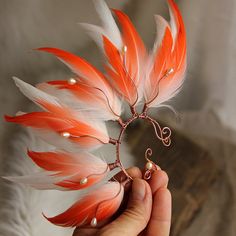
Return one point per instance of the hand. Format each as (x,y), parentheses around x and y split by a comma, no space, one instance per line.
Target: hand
(148,212)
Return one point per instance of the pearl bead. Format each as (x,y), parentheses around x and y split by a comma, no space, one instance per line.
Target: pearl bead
(124,49)
(94,222)
(72,81)
(170,71)
(84,181)
(149,166)
(65,134)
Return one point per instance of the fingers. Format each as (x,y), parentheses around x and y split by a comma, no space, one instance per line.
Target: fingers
(84,232)
(160,221)
(159,180)
(136,217)
(134,172)
(137,214)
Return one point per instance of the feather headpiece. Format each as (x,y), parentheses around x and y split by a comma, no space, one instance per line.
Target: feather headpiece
(74,111)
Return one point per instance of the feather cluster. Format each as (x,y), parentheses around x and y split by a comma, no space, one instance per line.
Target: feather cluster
(74,111)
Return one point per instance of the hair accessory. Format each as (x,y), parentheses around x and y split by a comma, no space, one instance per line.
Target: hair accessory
(74,111)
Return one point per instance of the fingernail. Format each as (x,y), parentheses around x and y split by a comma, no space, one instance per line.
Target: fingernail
(138,189)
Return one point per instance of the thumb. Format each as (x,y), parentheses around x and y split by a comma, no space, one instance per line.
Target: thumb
(135,218)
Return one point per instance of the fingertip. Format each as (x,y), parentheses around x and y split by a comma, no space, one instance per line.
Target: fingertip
(159,180)
(141,194)
(134,172)
(165,178)
(163,194)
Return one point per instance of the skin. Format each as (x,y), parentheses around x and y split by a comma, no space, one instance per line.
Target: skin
(147,212)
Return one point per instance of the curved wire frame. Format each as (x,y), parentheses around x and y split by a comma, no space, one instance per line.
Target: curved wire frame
(162,133)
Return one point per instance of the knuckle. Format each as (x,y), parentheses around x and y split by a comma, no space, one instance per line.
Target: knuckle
(109,230)
(137,214)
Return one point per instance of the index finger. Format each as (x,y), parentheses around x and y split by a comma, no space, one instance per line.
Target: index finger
(134,172)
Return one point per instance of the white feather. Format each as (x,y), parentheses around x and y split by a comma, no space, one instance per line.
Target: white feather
(98,112)
(161,25)
(109,27)
(61,142)
(37,180)
(95,32)
(173,25)
(82,164)
(21,206)
(35,94)
(174,87)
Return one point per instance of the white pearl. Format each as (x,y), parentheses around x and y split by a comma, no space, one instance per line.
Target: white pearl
(94,222)
(84,181)
(170,71)
(125,49)
(149,166)
(65,134)
(72,81)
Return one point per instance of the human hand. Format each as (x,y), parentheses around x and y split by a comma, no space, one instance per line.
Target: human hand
(148,211)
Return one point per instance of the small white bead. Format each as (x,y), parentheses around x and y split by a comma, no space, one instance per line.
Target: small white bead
(83,181)
(72,81)
(124,49)
(94,222)
(170,71)
(149,166)
(65,135)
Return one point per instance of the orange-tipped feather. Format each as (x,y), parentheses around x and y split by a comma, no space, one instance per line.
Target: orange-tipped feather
(168,67)
(136,54)
(99,204)
(88,74)
(81,67)
(90,98)
(120,79)
(71,171)
(77,130)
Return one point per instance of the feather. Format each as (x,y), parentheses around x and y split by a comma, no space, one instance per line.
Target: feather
(88,74)
(134,59)
(69,127)
(64,171)
(119,77)
(98,205)
(135,54)
(161,26)
(42,99)
(109,27)
(81,97)
(60,119)
(159,67)
(36,180)
(37,96)
(166,74)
